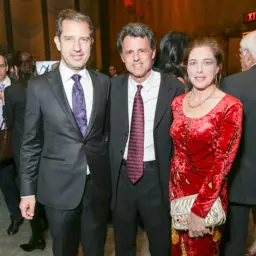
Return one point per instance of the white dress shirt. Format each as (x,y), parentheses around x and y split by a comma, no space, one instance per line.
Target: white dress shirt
(149,95)
(5,83)
(86,82)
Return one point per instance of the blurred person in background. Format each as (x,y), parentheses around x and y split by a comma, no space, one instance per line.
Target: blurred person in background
(13,71)
(26,65)
(171,52)
(22,69)
(242,189)
(8,174)
(112,71)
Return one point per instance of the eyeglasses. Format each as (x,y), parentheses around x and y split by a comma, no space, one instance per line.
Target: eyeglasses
(2,66)
(243,51)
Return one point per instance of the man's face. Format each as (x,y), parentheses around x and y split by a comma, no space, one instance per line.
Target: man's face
(246,59)
(74,44)
(138,57)
(14,72)
(243,59)
(112,70)
(3,69)
(27,64)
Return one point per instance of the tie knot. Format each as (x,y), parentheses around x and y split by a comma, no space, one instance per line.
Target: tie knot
(139,87)
(76,77)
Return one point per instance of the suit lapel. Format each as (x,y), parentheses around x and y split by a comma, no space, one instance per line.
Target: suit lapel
(163,100)
(123,103)
(56,85)
(96,101)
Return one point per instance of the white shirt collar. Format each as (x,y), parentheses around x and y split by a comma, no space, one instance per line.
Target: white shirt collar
(67,73)
(252,65)
(6,82)
(148,83)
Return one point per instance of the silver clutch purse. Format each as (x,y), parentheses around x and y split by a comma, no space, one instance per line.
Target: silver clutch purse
(181,207)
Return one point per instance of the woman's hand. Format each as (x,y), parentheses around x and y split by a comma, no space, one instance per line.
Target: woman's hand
(196,226)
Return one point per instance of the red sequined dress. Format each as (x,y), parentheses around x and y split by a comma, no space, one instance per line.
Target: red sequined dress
(204,150)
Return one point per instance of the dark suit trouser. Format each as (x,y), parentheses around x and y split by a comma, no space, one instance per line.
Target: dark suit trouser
(234,240)
(10,190)
(144,198)
(38,223)
(86,224)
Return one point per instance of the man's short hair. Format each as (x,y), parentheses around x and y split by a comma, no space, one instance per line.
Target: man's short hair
(136,30)
(72,15)
(248,42)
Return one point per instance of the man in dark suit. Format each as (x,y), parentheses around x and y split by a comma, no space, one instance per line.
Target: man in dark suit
(64,157)
(242,178)
(14,113)
(140,145)
(8,172)
(15,96)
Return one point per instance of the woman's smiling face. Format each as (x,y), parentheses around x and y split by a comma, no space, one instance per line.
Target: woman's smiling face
(202,67)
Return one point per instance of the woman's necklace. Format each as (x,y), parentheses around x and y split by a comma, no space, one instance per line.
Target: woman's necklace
(200,103)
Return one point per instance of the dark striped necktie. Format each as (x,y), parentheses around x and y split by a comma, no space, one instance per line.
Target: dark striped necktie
(134,164)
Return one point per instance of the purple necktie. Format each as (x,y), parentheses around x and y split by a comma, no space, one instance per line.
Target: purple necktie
(134,164)
(78,104)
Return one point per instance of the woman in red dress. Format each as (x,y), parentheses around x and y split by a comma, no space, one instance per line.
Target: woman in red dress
(206,132)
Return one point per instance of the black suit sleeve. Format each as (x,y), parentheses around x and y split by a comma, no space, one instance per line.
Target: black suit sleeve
(8,108)
(32,143)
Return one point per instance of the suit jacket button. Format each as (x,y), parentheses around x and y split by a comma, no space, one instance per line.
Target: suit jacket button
(126,134)
(122,152)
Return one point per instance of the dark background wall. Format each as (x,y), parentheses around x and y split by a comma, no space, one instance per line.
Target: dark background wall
(220,18)
(29,25)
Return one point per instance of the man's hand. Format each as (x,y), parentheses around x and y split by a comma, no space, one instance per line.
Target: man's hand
(27,207)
